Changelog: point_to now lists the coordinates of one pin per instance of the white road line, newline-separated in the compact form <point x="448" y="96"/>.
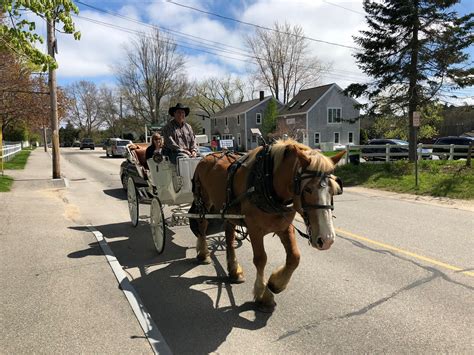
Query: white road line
<point x="155" y="338"/>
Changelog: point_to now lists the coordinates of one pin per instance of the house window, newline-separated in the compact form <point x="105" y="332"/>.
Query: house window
<point x="238" y="120"/>
<point x="336" y="137"/>
<point x="292" y="104"/>
<point x="227" y="136"/>
<point x="259" y="118"/>
<point x="334" y="115"/>
<point x="203" y="131"/>
<point x="304" y="102"/>
<point x="239" y="142"/>
<point x="226" y="122"/>
<point x="351" y="137"/>
<point x="215" y="121"/>
<point x="317" y="138"/>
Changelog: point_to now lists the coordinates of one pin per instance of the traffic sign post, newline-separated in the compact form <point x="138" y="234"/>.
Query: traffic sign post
<point x="416" y="125"/>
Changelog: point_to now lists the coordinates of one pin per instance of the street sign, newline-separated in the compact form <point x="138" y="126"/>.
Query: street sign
<point x="416" y="119"/>
<point x="226" y="143"/>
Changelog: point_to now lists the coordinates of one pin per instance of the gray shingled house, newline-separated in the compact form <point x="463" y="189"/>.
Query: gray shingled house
<point x="234" y="122"/>
<point x="321" y="117"/>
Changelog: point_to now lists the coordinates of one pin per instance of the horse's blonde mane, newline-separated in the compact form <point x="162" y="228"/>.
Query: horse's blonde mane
<point x="319" y="162"/>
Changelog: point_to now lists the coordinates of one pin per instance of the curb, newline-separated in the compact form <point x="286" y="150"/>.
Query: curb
<point x="152" y="333"/>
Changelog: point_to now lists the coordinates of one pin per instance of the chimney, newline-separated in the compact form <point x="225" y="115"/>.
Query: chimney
<point x="262" y="95"/>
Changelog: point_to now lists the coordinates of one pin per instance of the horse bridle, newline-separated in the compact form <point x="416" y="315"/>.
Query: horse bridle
<point x="307" y="174"/>
<point x="297" y="183"/>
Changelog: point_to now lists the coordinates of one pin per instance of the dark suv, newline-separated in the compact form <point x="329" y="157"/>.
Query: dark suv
<point x="400" y="146"/>
<point x="87" y="143"/>
<point x="460" y="152"/>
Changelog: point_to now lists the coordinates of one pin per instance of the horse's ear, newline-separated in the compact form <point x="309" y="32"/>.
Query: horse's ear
<point x="335" y="159"/>
<point x="302" y="157"/>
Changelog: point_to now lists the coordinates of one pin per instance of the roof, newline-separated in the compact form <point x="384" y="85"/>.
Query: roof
<point x="237" y="109"/>
<point x="304" y="100"/>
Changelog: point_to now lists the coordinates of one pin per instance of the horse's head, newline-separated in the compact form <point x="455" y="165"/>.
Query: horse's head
<point x="313" y="186"/>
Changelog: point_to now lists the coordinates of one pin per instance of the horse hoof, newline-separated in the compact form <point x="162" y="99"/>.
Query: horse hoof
<point x="265" y="308"/>
<point x="238" y="279"/>
<point x="204" y="260"/>
<point x="273" y="289"/>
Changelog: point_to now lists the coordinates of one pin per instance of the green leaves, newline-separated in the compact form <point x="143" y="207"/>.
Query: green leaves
<point x="19" y="35"/>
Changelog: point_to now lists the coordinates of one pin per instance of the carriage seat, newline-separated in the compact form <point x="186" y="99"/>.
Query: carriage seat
<point x="139" y="155"/>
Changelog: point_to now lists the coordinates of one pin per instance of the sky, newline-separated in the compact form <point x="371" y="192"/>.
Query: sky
<point x="215" y="45"/>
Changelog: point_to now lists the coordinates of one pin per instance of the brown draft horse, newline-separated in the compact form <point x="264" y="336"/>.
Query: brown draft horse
<point x="301" y="181"/>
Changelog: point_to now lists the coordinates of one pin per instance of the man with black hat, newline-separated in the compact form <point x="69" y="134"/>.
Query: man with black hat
<point x="179" y="135"/>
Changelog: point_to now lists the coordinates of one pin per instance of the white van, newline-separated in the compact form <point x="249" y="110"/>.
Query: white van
<point x="115" y="147"/>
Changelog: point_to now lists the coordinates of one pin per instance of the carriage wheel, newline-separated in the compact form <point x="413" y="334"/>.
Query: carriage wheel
<point x="133" y="202"/>
<point x="157" y="225"/>
<point x="241" y="233"/>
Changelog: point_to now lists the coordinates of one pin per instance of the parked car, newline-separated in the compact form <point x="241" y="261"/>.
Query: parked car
<point x="87" y="143"/>
<point x="401" y="147"/>
<point x="115" y="146"/>
<point x="204" y="150"/>
<point x="76" y="144"/>
<point x="443" y="152"/>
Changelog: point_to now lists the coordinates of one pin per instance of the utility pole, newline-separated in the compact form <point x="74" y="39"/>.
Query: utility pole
<point x="53" y="100"/>
<point x="121" y="116"/>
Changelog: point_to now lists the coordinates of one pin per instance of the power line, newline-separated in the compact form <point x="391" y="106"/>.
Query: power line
<point x="355" y="76"/>
<point x="342" y="7"/>
<point x="259" y="26"/>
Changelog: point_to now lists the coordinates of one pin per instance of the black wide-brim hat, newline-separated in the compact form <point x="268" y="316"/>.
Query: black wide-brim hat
<point x="178" y="106"/>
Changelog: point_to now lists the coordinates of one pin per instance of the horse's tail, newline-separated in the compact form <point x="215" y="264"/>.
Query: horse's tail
<point x="193" y="222"/>
<point x="197" y="205"/>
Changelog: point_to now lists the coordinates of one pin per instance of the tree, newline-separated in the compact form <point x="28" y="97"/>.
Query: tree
<point x="68" y="134"/>
<point x="269" y="123"/>
<point x="284" y="65"/>
<point x="85" y="109"/>
<point x="413" y="49"/>
<point x="152" y="70"/>
<point x="18" y="32"/>
<point x="213" y="94"/>
<point x="109" y="111"/>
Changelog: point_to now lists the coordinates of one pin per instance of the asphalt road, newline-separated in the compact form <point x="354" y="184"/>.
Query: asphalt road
<point x="398" y="279"/>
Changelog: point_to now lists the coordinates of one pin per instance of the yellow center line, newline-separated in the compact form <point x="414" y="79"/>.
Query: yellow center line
<point x="405" y="252"/>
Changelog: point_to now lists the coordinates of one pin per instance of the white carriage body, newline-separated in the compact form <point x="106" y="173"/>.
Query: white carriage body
<point x="173" y="182"/>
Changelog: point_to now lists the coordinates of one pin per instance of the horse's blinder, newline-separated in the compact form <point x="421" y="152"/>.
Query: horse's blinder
<point x="306" y="174"/>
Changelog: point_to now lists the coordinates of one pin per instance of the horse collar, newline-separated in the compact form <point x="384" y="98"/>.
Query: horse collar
<point x="260" y="180"/>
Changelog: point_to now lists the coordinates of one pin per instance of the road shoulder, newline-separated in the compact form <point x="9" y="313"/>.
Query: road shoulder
<point x="466" y="205"/>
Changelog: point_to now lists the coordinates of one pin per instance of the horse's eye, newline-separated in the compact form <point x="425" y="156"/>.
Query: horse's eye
<point x="308" y="190"/>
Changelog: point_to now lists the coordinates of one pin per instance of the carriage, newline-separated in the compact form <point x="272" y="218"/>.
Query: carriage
<point x="168" y="184"/>
<point x="256" y="194"/>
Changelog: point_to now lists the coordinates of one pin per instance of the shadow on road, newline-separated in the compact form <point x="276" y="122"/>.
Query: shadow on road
<point x="119" y="194"/>
<point x="190" y="320"/>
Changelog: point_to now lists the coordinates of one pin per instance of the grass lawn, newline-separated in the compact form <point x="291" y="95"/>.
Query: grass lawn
<point x="18" y="162"/>
<point x="443" y="178"/>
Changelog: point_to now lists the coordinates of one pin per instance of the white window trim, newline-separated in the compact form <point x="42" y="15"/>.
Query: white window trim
<point x="339" y="136"/>
<point x="319" y="136"/>
<point x="348" y="135"/>
<point x="334" y="108"/>
<point x="257" y="118"/>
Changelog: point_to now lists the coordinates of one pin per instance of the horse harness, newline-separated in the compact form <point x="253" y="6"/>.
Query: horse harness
<point x="260" y="189"/>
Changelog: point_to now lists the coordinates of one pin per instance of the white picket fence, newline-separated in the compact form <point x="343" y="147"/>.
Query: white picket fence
<point x="424" y="151"/>
<point x="8" y="151"/>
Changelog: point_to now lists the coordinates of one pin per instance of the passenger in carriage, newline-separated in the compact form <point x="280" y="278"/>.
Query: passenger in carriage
<point x="155" y="146"/>
<point x="179" y="135"/>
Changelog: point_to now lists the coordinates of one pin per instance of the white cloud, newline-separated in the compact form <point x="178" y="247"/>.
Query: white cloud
<point x="100" y="47"/>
